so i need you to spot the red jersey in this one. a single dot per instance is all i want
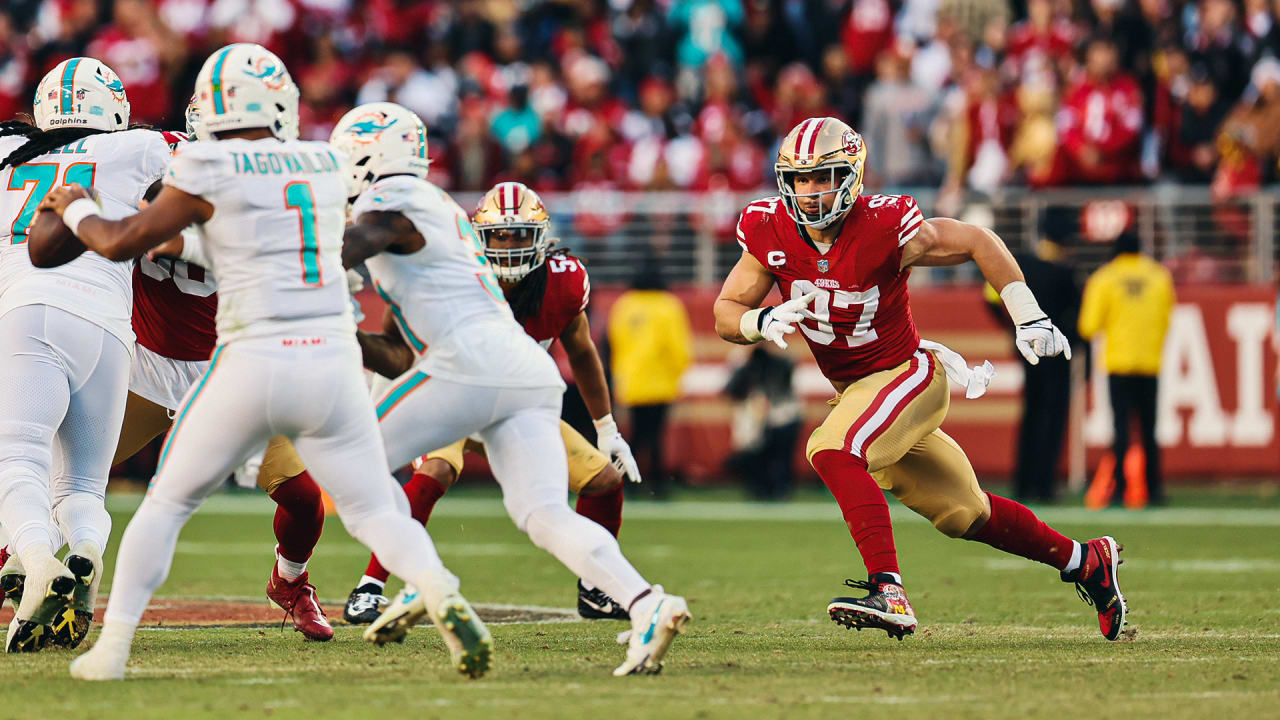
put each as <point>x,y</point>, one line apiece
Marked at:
<point>174,309</point>
<point>864,320</point>
<point>568,291</point>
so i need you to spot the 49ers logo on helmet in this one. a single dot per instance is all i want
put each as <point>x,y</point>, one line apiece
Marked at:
<point>852,142</point>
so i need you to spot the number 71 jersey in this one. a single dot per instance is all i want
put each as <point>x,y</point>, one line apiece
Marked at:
<point>863,315</point>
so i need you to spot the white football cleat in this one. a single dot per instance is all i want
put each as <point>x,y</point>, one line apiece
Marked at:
<point>470,644</point>
<point>655,622</point>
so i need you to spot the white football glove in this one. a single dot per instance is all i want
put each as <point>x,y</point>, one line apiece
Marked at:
<point>610,442</point>
<point>355,281</point>
<point>1040,338</point>
<point>780,321</point>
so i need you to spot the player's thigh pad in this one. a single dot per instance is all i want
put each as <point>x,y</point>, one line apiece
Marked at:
<point>883,415</point>
<point>934,478</point>
<point>585,460</point>
<point>280,463</point>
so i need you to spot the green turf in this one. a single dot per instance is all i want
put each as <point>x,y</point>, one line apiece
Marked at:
<point>1000,637</point>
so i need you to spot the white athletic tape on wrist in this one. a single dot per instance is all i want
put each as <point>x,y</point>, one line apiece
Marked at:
<point>749,326</point>
<point>604,421</point>
<point>77,211</point>
<point>1021,303</point>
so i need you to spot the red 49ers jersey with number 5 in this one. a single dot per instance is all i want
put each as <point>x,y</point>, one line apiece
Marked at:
<point>863,312</point>
<point>567,293</point>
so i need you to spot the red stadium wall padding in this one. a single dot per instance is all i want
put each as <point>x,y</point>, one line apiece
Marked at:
<point>1218,385</point>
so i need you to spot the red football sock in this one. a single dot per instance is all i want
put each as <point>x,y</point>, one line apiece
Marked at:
<point>866,512</point>
<point>605,509</point>
<point>299,517</point>
<point>1014,529</point>
<point>424,492</point>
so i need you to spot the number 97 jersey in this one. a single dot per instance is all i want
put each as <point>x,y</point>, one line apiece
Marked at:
<point>863,316</point>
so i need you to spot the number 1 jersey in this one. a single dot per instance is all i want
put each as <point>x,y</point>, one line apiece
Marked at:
<point>274,241</point>
<point>119,166</point>
<point>863,311</point>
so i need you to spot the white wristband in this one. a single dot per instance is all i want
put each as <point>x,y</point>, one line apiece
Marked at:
<point>604,421</point>
<point>749,325</point>
<point>1021,303</point>
<point>77,211</point>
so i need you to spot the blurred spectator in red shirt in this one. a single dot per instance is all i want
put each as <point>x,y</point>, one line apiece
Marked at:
<point>867,32</point>
<point>143,52</point>
<point>1101,119</point>
<point>980,157</point>
<point>1044,37</point>
<point>651,118</point>
<point>13,70</point>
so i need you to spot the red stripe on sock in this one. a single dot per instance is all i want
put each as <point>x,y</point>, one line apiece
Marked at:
<point>1015,529</point>
<point>865,509</point>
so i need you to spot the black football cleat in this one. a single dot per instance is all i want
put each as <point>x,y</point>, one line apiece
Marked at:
<point>364,604</point>
<point>1097,583</point>
<point>593,604</point>
<point>885,607</point>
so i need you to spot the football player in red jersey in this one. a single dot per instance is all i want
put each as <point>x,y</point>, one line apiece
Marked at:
<point>841,261</point>
<point>548,293</point>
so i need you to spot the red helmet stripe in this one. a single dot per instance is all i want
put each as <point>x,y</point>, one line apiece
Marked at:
<point>804,128</point>
<point>813,137</point>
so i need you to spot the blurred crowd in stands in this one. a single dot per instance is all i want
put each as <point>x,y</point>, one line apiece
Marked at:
<point>695,94</point>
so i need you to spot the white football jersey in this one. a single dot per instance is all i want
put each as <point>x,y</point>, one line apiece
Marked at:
<point>275,239</point>
<point>445,297</point>
<point>119,166</point>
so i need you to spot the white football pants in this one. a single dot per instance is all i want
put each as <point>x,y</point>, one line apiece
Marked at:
<point>63,383</point>
<point>520,428</point>
<point>312,393</point>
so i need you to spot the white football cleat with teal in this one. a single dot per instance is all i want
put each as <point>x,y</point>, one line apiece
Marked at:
<point>655,621</point>
<point>470,644</point>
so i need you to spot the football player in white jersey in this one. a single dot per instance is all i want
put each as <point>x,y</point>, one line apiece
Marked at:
<point>285,328</point>
<point>482,373</point>
<point>65,341</point>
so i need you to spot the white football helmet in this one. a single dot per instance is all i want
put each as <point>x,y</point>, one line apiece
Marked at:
<point>81,92</point>
<point>379,139</point>
<point>245,86</point>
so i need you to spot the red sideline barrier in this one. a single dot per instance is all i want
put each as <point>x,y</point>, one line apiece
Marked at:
<point>1218,392</point>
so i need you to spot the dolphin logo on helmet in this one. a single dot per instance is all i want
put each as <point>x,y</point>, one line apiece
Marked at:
<point>373,152</point>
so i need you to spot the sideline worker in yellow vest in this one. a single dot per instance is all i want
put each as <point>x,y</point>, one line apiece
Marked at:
<point>1129,301</point>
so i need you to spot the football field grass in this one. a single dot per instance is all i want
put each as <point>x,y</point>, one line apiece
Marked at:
<point>998,637</point>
